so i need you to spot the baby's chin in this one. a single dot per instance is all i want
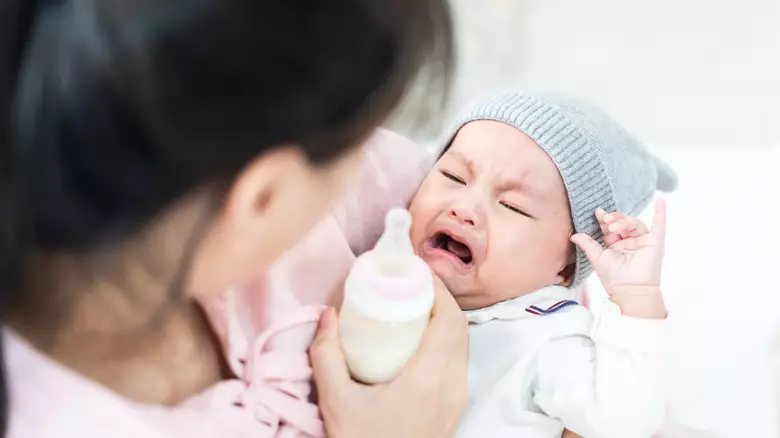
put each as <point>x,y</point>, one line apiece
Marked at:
<point>459,282</point>
<point>468,297</point>
<point>473,301</point>
<point>474,296</point>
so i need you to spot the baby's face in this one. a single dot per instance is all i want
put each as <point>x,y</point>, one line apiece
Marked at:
<point>492,217</point>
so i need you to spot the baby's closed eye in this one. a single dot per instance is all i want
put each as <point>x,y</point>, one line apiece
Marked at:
<point>452,177</point>
<point>515,209</point>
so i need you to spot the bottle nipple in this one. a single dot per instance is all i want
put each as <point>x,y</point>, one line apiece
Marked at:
<point>394,253</point>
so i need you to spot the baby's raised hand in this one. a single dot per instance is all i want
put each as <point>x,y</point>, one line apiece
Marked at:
<point>630,265</point>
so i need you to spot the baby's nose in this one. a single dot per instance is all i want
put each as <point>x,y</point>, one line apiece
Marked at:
<point>464,215</point>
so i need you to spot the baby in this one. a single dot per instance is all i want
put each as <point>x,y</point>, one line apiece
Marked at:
<point>523,179</point>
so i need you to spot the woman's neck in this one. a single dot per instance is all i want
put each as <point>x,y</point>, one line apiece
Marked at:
<point>164,363</point>
<point>121,315</point>
<point>137,339</point>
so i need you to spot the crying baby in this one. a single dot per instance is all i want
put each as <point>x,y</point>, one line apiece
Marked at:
<point>532,193</point>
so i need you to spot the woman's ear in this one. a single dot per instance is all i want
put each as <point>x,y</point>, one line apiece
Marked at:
<point>253,226</point>
<point>259,185</point>
<point>273,202</point>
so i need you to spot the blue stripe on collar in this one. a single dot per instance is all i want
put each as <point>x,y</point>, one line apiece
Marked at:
<point>552,309</point>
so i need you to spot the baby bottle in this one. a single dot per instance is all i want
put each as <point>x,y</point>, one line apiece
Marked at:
<point>388,297</point>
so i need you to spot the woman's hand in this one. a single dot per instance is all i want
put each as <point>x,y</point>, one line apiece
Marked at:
<point>426,399</point>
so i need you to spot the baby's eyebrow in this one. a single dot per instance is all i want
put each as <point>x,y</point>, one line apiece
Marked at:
<point>462,158</point>
<point>510,184</point>
<point>523,186</point>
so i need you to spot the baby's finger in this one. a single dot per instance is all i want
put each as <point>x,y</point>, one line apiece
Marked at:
<point>600,215</point>
<point>629,227</point>
<point>611,218</point>
<point>639,229</point>
<point>609,238</point>
<point>658,228</point>
<point>600,218</point>
<point>621,226</point>
<point>590,247</point>
<point>631,244</point>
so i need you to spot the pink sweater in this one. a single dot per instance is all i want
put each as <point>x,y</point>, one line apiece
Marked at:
<point>265,329</point>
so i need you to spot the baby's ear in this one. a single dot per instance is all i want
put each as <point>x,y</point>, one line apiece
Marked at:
<point>566,276</point>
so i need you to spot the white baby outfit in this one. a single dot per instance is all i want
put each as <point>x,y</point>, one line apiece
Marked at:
<point>541,363</point>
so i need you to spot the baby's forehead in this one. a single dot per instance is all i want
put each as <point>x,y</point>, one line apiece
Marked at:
<point>487,158</point>
<point>495,147</point>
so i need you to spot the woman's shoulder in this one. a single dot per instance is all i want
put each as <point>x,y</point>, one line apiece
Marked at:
<point>393,169</point>
<point>397,152</point>
<point>395,164</point>
<point>48,400</point>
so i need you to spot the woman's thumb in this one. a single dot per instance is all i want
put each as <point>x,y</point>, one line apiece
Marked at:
<point>327,359</point>
<point>590,247</point>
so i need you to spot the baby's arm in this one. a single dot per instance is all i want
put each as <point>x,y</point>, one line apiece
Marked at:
<point>606,385</point>
<point>393,170</point>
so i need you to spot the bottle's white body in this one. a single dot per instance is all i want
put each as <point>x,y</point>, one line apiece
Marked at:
<point>376,351</point>
<point>383,319</point>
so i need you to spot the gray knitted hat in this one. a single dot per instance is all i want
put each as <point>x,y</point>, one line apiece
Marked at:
<point>601,164</point>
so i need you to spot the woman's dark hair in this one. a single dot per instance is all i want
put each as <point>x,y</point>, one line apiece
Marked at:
<point>111,110</point>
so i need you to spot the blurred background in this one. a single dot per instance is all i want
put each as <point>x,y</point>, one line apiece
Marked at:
<point>699,82</point>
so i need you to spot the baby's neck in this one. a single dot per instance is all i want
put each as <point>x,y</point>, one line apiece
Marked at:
<point>477,302</point>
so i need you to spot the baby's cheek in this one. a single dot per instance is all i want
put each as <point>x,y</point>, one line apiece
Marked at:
<point>503,259</point>
<point>418,239</point>
<point>417,233</point>
<point>422,214</point>
<point>498,282</point>
<point>516,264</point>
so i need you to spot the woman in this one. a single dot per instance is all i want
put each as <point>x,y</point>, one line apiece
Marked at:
<point>156,152</point>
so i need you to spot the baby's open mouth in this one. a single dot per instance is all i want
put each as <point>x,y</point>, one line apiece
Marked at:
<point>458,249</point>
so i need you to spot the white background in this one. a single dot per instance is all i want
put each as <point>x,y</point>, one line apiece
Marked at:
<point>699,82</point>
